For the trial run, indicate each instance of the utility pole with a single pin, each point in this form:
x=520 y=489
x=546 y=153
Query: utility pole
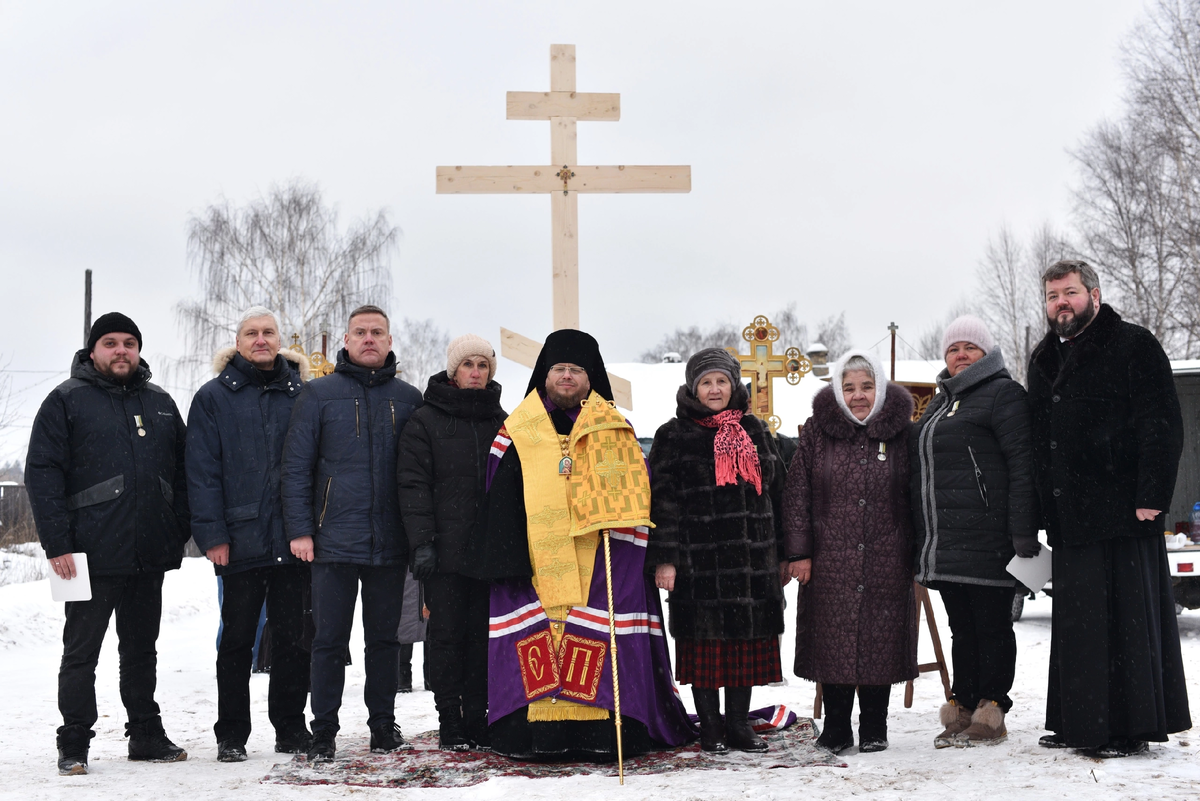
x=87 y=306
x=893 y=328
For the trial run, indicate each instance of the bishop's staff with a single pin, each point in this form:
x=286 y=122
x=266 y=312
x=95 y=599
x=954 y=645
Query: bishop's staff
x=612 y=647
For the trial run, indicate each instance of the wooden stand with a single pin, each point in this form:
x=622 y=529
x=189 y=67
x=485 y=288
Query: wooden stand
x=939 y=659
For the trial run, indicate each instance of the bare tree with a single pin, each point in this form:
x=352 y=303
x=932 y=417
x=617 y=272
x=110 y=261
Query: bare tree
x=833 y=333
x=1010 y=300
x=686 y=341
x=420 y=348
x=792 y=332
x=284 y=251
x=929 y=342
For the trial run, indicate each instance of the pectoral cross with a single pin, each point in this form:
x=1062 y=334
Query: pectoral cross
x=763 y=364
x=563 y=179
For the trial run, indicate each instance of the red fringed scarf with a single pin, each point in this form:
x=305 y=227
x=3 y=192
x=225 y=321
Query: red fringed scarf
x=733 y=449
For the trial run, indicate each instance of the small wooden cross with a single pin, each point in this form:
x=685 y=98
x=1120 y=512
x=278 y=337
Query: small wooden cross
x=563 y=180
x=763 y=364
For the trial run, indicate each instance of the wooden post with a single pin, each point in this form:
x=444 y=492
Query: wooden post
x=87 y=306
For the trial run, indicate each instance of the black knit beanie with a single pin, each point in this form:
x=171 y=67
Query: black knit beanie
x=112 y=323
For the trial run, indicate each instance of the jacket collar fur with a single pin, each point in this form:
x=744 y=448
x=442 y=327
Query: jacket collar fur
x=889 y=420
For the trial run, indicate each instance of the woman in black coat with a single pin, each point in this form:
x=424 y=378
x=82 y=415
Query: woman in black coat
x=442 y=463
x=973 y=505
x=716 y=482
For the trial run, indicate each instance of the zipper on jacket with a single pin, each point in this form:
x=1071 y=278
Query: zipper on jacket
x=325 y=503
x=356 y=432
x=392 y=405
x=978 y=477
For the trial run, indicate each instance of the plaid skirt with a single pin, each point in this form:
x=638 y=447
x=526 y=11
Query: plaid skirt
x=710 y=664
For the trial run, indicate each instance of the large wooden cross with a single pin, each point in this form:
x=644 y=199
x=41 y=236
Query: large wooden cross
x=564 y=179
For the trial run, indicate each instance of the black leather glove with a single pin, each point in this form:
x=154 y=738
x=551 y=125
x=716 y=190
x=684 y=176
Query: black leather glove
x=1027 y=547
x=424 y=561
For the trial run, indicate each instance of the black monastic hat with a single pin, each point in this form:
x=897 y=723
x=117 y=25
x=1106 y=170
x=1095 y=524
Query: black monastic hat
x=573 y=347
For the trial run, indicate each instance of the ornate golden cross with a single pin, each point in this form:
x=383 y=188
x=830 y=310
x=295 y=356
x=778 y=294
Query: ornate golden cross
x=763 y=364
x=612 y=469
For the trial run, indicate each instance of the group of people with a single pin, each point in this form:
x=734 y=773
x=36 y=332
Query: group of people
x=542 y=538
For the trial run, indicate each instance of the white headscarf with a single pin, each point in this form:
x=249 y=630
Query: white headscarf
x=881 y=384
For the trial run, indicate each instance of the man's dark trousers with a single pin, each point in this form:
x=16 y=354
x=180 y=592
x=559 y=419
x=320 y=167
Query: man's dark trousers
x=137 y=601
x=283 y=589
x=335 y=590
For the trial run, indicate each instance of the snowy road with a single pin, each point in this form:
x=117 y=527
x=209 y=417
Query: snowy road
x=31 y=625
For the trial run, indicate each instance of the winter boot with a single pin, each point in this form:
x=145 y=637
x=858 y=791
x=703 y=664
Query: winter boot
x=72 y=760
x=452 y=734
x=955 y=719
x=987 y=726
x=230 y=751
x=149 y=743
x=478 y=731
x=712 y=729
x=872 y=717
x=386 y=738
x=740 y=734
x=837 y=735
x=324 y=745
x=404 y=668
x=293 y=742
x=73 y=750
x=1122 y=747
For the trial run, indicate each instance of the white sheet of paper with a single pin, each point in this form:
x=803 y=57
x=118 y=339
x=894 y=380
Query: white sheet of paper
x=76 y=589
x=1033 y=572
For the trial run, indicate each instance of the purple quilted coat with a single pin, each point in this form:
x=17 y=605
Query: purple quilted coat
x=848 y=510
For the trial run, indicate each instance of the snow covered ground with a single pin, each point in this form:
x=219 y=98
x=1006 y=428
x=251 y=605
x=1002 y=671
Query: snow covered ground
x=31 y=627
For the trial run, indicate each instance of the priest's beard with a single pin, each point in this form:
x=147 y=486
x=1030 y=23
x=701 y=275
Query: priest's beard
x=565 y=402
x=1073 y=325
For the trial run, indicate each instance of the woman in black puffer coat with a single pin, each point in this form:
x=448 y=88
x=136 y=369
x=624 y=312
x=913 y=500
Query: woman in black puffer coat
x=716 y=483
x=442 y=463
x=974 y=507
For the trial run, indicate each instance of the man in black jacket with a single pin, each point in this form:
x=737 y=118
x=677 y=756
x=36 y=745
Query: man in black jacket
x=1107 y=434
x=342 y=513
x=106 y=479
x=236 y=430
x=443 y=463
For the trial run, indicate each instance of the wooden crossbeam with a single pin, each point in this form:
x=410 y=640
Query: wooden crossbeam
x=545 y=180
x=596 y=106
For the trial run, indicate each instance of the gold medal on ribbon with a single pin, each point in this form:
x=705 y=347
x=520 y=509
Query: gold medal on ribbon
x=137 y=418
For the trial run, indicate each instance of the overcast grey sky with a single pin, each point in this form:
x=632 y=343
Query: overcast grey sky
x=844 y=155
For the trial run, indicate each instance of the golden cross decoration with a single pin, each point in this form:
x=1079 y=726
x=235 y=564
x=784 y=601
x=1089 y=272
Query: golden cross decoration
x=763 y=365
x=562 y=106
x=612 y=469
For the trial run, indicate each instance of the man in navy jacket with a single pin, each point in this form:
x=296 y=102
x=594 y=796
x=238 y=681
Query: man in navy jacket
x=106 y=478
x=236 y=430
x=342 y=514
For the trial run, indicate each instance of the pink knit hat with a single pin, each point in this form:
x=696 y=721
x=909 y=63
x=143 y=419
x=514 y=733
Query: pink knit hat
x=968 y=328
x=469 y=345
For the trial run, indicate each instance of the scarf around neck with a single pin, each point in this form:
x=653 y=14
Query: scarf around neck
x=733 y=450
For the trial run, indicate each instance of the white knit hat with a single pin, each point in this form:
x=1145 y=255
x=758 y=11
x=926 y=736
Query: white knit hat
x=968 y=328
x=470 y=345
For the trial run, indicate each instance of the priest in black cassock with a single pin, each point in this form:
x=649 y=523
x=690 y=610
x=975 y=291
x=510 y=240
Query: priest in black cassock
x=1107 y=437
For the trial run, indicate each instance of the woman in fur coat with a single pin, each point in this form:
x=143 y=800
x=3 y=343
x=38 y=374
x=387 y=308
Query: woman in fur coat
x=972 y=489
x=716 y=483
x=849 y=544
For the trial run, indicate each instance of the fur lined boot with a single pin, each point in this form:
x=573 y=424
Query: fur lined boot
x=987 y=726
x=955 y=719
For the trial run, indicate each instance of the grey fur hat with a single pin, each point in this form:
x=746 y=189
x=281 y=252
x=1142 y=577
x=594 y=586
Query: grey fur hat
x=709 y=360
